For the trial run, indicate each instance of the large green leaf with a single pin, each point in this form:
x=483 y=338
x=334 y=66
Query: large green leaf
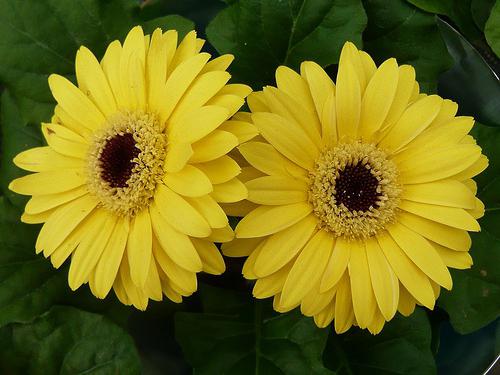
x=398 y=29
x=481 y=10
x=263 y=34
x=474 y=300
x=67 y=341
x=470 y=81
x=492 y=29
x=28 y=283
x=403 y=347
x=42 y=37
x=236 y=334
x=15 y=136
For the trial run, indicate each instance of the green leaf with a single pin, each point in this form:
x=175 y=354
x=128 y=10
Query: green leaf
x=181 y=24
x=28 y=283
x=481 y=10
x=470 y=81
x=263 y=34
x=403 y=347
x=397 y=29
x=16 y=136
x=474 y=300
x=492 y=29
x=68 y=341
x=459 y=11
x=237 y=334
x=31 y=50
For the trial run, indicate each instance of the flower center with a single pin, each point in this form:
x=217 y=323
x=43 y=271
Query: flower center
x=117 y=159
x=125 y=162
x=354 y=190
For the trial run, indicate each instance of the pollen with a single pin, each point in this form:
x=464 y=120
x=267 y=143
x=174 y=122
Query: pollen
x=354 y=190
x=125 y=162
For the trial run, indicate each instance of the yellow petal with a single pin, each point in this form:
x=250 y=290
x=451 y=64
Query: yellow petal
x=221 y=235
x=351 y=55
x=50 y=182
x=240 y=247
x=344 y=313
x=450 y=133
x=294 y=85
x=59 y=254
x=107 y=268
x=210 y=210
x=64 y=141
x=293 y=110
x=308 y=268
x=88 y=252
x=413 y=279
x=325 y=316
x=178 y=82
x=177 y=245
x=454 y=259
x=348 y=101
x=220 y=170
x=110 y=65
x=132 y=70
x=74 y=101
x=277 y=190
x=93 y=82
x=248 y=270
x=231 y=191
x=449 y=193
x=153 y=287
x=178 y=155
x=368 y=65
x=288 y=138
x=257 y=102
x=315 y=301
x=406 y=302
x=384 y=281
x=378 y=98
x=180 y=214
x=320 y=84
x=243 y=130
x=156 y=74
x=268 y=220
x=451 y=216
x=198 y=123
x=329 y=121
x=136 y=296
x=282 y=246
x=139 y=245
x=183 y=279
x=363 y=299
x=219 y=63
x=412 y=122
x=271 y=285
x=456 y=239
x=200 y=92
x=186 y=49
x=448 y=111
x=36 y=218
x=476 y=168
x=190 y=182
x=212 y=260
x=404 y=91
x=213 y=146
x=43 y=159
x=422 y=253
x=40 y=203
x=439 y=164
x=337 y=264
x=265 y=158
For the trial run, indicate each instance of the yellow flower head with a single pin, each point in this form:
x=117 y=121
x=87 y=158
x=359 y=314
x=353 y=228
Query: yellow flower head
x=130 y=183
x=362 y=193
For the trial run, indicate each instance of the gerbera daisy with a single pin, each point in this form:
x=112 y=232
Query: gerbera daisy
x=130 y=183
x=364 y=193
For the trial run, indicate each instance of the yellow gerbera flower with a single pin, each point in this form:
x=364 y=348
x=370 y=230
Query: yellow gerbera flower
x=364 y=193
x=130 y=182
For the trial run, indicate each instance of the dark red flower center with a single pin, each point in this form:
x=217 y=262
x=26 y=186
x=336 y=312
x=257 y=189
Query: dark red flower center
x=116 y=160
x=356 y=188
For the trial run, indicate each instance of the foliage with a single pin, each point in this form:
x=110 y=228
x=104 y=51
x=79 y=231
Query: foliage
x=46 y=329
